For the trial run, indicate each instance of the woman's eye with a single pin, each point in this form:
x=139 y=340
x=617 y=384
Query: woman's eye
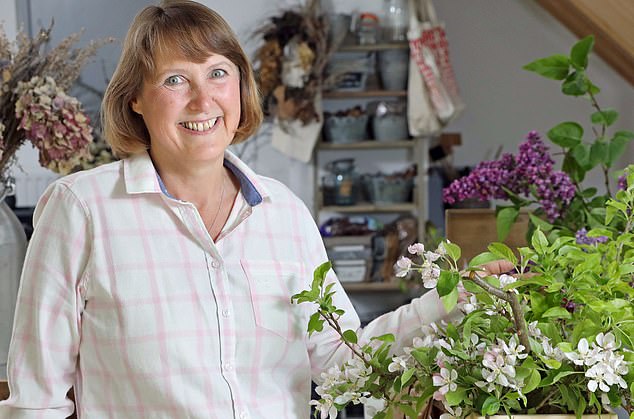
x=173 y=80
x=218 y=73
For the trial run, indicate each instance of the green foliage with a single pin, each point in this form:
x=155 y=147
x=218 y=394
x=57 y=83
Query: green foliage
x=582 y=151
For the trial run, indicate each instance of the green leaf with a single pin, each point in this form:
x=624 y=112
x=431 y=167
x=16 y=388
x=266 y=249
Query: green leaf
x=481 y=259
x=572 y=168
x=617 y=146
x=453 y=250
x=581 y=154
x=319 y=275
x=628 y=135
x=407 y=375
x=579 y=52
x=454 y=398
x=605 y=117
x=447 y=282
x=350 y=336
x=490 y=406
x=559 y=312
x=388 y=337
x=566 y=134
x=504 y=221
x=576 y=84
x=539 y=242
x=533 y=381
x=315 y=324
x=555 y=67
x=503 y=252
x=540 y=223
x=450 y=300
x=599 y=153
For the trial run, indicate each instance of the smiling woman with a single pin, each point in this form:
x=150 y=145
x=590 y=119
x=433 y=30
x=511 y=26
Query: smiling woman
x=160 y=285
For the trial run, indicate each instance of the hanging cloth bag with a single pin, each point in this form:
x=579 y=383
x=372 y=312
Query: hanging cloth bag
x=438 y=101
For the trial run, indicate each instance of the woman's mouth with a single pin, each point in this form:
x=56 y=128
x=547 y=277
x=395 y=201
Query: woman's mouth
x=199 y=126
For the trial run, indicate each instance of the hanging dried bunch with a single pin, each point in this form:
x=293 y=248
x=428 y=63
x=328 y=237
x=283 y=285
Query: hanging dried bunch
x=34 y=105
x=290 y=62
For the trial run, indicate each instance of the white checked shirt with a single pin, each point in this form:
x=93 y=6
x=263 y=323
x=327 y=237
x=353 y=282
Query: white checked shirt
x=125 y=296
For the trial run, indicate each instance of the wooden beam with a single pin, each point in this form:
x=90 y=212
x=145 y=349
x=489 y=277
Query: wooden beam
x=610 y=21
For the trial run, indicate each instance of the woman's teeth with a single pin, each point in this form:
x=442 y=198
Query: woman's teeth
x=199 y=126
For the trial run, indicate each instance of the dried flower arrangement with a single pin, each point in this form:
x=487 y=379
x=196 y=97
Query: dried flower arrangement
x=34 y=105
x=290 y=63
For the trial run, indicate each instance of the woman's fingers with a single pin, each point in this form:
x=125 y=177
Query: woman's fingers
x=498 y=267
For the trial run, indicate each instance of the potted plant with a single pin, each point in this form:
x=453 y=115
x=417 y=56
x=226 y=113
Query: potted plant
x=553 y=335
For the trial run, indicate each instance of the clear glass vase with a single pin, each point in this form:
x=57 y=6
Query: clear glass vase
x=12 y=251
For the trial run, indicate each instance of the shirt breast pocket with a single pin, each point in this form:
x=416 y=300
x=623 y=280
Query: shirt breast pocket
x=269 y=285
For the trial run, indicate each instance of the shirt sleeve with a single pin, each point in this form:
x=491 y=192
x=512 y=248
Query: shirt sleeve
x=45 y=339
x=325 y=347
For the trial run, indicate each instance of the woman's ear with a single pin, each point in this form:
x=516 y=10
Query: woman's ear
x=136 y=107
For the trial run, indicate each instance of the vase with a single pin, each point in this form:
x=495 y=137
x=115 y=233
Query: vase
x=12 y=251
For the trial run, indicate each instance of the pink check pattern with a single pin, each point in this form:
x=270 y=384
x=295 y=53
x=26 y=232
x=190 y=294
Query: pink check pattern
x=126 y=297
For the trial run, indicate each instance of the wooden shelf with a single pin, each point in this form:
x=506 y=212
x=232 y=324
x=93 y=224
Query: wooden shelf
x=350 y=47
x=345 y=94
x=370 y=286
x=370 y=208
x=367 y=145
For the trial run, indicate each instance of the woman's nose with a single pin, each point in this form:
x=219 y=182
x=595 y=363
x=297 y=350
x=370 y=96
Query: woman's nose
x=202 y=98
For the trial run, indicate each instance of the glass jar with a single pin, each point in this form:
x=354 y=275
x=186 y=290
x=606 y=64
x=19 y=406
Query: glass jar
x=395 y=20
x=368 y=29
x=342 y=184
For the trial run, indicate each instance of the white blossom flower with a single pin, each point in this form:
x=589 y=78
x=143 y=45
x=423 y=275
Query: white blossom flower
x=583 y=355
x=416 y=249
x=607 y=341
x=513 y=350
x=429 y=272
x=446 y=380
x=442 y=250
x=402 y=266
x=470 y=305
x=431 y=256
x=533 y=330
x=399 y=363
x=325 y=406
x=506 y=280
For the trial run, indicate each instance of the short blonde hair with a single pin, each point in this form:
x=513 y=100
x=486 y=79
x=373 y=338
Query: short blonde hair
x=195 y=31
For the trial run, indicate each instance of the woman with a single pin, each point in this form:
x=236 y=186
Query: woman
x=159 y=286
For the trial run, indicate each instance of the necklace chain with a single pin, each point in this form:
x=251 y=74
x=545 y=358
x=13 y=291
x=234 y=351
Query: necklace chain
x=222 y=196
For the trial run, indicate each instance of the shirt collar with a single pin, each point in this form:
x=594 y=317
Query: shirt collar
x=140 y=176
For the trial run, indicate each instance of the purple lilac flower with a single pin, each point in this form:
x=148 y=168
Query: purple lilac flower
x=622 y=183
x=531 y=167
x=582 y=238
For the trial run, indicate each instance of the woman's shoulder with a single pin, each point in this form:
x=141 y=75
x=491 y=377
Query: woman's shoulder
x=91 y=180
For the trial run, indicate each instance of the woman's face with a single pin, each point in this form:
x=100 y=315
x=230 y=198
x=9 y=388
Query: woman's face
x=191 y=110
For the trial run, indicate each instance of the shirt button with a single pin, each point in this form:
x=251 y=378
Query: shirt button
x=228 y=367
x=226 y=312
x=215 y=264
x=244 y=415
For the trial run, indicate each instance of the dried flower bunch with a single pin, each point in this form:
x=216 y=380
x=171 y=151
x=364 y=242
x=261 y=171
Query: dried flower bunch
x=34 y=105
x=291 y=61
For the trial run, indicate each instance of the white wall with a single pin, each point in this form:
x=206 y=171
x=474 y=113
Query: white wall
x=489 y=40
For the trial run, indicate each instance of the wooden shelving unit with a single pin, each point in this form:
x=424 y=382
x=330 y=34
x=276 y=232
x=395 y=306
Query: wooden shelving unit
x=367 y=145
x=415 y=150
x=344 y=94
